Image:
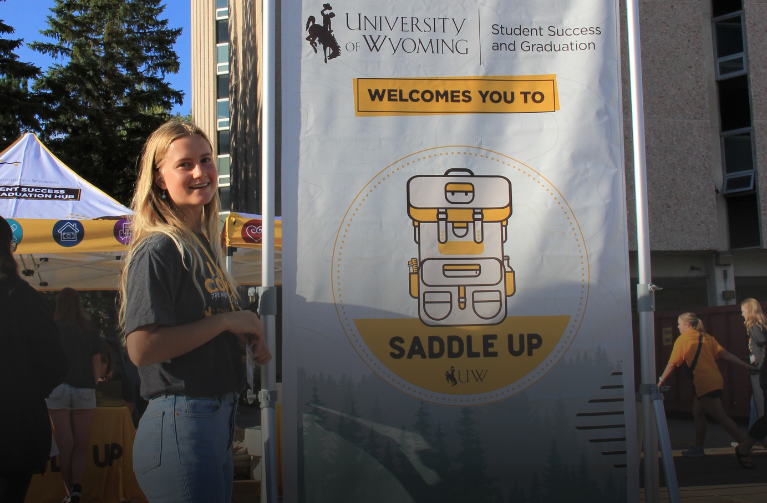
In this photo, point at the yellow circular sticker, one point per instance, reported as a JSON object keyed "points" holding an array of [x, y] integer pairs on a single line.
{"points": [[460, 275]]}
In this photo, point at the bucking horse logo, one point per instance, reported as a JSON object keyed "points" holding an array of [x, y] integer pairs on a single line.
{"points": [[323, 34], [450, 376]]}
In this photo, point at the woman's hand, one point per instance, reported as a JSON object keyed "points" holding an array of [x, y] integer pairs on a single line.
{"points": [[249, 329]]}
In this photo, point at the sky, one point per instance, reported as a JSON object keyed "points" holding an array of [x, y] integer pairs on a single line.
{"points": [[28, 17]]}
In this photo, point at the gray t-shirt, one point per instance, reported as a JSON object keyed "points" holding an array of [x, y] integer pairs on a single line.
{"points": [[756, 345], [161, 290], [80, 348]]}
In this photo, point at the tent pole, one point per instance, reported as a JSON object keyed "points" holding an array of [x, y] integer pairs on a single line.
{"points": [[268, 304], [653, 415], [229, 252]]}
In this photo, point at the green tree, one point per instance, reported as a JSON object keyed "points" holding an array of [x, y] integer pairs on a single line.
{"points": [[20, 108], [109, 93], [471, 479]]}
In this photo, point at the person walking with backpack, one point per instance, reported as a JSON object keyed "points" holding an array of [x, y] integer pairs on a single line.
{"points": [[699, 352]]}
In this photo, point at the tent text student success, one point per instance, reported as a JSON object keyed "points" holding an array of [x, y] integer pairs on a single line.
{"points": [[31, 192]]}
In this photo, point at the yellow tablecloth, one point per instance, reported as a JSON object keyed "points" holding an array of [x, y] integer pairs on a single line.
{"points": [[109, 469]]}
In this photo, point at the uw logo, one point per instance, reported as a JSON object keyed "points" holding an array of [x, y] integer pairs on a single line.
{"points": [[476, 375], [323, 34]]}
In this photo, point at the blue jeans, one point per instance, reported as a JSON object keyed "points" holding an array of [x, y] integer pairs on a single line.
{"points": [[183, 449]]}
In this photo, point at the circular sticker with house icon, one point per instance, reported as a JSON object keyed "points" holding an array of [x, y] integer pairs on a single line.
{"points": [[68, 233], [18, 232]]}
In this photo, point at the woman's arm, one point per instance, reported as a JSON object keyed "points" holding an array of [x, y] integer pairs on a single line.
{"points": [[155, 343], [669, 368], [734, 359], [96, 364]]}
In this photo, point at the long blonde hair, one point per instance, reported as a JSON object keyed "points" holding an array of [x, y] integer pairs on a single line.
{"points": [[153, 214], [695, 322], [754, 314]]}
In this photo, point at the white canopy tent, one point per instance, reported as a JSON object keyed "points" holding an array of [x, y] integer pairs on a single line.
{"points": [[68, 232], [71, 234]]}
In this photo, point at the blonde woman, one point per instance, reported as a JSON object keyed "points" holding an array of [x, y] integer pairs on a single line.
{"points": [[756, 324], [183, 328], [757, 431], [699, 351]]}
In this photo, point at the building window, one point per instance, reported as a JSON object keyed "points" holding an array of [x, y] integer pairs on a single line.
{"points": [[223, 169], [222, 58], [226, 200], [738, 153], [223, 143], [222, 86], [222, 9], [222, 114], [722, 7], [729, 46], [743, 221], [222, 31]]}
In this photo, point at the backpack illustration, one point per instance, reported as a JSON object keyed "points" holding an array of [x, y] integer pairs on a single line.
{"points": [[461, 275]]}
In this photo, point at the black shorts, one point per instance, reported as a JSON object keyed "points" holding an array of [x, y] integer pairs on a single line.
{"points": [[717, 393]]}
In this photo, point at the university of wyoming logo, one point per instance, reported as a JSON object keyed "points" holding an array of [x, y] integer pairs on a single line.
{"points": [[323, 34]]}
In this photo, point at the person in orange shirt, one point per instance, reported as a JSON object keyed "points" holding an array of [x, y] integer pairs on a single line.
{"points": [[699, 351]]}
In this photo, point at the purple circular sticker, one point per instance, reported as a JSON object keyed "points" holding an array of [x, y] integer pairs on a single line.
{"points": [[122, 231]]}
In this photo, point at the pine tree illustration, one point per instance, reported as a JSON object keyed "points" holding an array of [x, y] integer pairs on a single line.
{"points": [[377, 414], [535, 495], [371, 444], [555, 477], [612, 494], [517, 494], [473, 483], [315, 402], [387, 458], [348, 428], [585, 489], [422, 424], [441, 463]]}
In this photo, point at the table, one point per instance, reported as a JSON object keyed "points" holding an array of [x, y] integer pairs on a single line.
{"points": [[108, 473]]}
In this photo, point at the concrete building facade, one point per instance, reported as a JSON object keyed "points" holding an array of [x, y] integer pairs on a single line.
{"points": [[705, 94]]}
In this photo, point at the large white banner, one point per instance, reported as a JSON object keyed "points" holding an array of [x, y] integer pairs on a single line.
{"points": [[457, 321]]}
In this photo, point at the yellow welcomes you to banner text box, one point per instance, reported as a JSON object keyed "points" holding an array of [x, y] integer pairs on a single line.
{"points": [[456, 95], [463, 360]]}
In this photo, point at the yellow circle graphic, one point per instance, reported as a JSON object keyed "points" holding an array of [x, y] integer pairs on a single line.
{"points": [[460, 275]]}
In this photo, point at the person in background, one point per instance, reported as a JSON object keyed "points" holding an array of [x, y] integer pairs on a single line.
{"points": [[32, 364], [73, 403], [182, 325], [757, 432], [108, 372], [756, 324], [699, 351]]}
